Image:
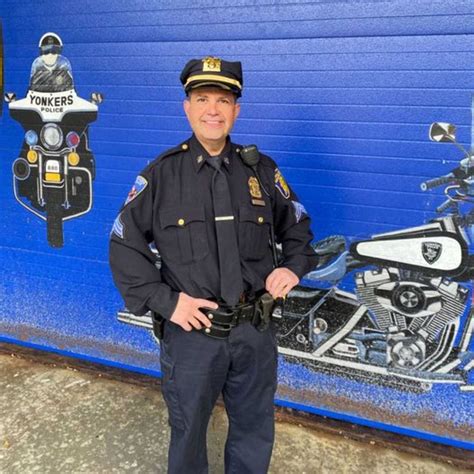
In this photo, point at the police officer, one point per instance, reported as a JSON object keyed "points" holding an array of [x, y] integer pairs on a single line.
{"points": [[211, 209], [51, 72]]}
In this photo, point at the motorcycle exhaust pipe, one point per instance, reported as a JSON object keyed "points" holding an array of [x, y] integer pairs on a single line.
{"points": [[21, 169]]}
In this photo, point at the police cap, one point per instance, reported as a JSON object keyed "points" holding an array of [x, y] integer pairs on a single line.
{"points": [[212, 71]]}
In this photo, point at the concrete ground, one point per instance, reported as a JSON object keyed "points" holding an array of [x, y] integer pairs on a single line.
{"points": [[64, 420]]}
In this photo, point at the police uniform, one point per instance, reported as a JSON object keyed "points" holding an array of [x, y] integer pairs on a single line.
{"points": [[56, 78], [171, 205]]}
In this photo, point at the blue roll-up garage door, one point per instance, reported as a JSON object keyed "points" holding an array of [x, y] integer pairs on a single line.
{"points": [[340, 93]]}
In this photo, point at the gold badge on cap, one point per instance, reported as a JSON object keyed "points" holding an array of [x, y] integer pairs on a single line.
{"points": [[254, 187], [211, 64]]}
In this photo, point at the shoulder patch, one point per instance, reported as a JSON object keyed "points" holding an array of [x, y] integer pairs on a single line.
{"points": [[299, 210], [140, 184], [281, 185]]}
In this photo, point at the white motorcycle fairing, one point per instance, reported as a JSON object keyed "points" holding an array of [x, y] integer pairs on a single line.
{"points": [[51, 106]]}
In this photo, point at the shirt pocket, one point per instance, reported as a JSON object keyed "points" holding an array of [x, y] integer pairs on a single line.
{"points": [[254, 232], [183, 234]]}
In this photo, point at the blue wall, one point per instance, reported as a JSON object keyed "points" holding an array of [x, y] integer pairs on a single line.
{"points": [[340, 94]]}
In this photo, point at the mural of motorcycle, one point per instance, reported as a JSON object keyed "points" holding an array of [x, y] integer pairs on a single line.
{"points": [[407, 324], [52, 177]]}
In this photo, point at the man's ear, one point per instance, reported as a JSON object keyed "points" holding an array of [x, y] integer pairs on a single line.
{"points": [[186, 105], [236, 110]]}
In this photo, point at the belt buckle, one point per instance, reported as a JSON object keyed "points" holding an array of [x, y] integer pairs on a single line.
{"points": [[235, 318]]}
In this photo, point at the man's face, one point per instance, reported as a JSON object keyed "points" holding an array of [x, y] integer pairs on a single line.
{"points": [[211, 113]]}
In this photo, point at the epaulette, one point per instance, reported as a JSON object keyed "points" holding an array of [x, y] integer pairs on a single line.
{"points": [[170, 152]]}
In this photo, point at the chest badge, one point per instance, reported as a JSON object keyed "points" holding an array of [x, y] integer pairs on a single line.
{"points": [[254, 187], [255, 192]]}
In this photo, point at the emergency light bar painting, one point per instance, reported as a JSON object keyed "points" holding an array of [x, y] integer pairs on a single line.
{"points": [[53, 174]]}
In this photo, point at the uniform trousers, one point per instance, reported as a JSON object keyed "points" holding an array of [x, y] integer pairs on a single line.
{"points": [[196, 369]]}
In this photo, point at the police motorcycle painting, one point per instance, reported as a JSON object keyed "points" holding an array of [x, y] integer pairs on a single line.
{"points": [[53, 174], [407, 323]]}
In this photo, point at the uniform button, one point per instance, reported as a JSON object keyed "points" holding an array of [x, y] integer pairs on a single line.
{"points": [[181, 222], [210, 316], [184, 146], [207, 330], [260, 219]]}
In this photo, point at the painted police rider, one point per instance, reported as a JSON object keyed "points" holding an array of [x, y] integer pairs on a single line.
{"points": [[211, 212], [51, 72]]}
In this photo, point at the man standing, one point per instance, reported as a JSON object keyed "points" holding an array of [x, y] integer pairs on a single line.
{"points": [[211, 207]]}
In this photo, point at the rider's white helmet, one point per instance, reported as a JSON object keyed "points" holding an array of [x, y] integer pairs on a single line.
{"points": [[50, 43]]}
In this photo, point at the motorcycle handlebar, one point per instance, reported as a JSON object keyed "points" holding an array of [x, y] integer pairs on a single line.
{"points": [[433, 183]]}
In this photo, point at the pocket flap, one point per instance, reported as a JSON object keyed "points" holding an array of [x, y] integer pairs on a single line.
{"points": [[179, 216], [258, 216]]}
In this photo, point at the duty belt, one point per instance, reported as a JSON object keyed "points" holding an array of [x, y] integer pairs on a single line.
{"points": [[224, 319]]}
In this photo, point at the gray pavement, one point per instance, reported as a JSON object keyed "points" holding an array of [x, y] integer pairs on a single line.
{"points": [[62, 420]]}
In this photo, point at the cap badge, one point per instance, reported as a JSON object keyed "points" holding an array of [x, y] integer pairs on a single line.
{"points": [[254, 187], [211, 64]]}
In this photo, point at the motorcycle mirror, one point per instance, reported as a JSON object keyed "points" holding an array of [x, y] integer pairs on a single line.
{"points": [[443, 132], [10, 97], [97, 98]]}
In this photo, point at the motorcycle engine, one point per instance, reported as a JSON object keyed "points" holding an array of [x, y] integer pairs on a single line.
{"points": [[411, 308]]}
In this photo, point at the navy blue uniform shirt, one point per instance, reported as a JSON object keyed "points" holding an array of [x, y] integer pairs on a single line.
{"points": [[171, 205]]}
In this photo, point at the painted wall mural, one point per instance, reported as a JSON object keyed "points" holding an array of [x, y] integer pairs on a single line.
{"points": [[53, 175], [341, 95], [408, 321]]}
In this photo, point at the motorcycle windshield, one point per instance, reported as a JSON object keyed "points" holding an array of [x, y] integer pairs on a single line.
{"points": [[51, 78]]}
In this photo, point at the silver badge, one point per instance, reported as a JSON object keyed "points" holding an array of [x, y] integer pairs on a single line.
{"points": [[431, 251]]}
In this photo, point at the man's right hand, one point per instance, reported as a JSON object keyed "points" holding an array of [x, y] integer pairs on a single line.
{"points": [[187, 314]]}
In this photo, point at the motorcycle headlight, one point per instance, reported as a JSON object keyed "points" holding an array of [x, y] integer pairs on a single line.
{"points": [[51, 136], [31, 138]]}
